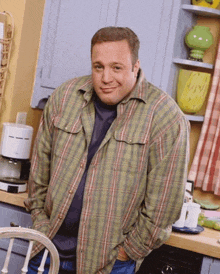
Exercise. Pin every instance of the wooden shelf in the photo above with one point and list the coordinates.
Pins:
(195, 118)
(202, 11)
(187, 62)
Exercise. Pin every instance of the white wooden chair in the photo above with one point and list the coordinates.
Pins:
(31, 235)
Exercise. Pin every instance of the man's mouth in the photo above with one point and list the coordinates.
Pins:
(108, 90)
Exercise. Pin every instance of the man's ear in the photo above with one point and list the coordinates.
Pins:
(136, 68)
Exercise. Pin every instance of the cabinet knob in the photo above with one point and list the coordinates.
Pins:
(167, 269)
(12, 224)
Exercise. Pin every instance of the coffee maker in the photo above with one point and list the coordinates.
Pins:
(14, 157)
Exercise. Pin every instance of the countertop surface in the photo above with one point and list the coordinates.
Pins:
(13, 199)
(205, 242)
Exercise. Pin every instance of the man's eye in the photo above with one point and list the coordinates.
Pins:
(117, 68)
(98, 67)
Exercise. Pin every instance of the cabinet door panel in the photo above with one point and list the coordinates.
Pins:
(152, 21)
(67, 51)
(16, 215)
(65, 44)
(145, 20)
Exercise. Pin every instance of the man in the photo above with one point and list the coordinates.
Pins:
(109, 163)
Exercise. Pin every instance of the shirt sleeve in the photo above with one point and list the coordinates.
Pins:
(40, 170)
(165, 187)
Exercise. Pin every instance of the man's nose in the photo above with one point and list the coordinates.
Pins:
(106, 76)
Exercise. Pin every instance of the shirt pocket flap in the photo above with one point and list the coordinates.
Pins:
(67, 125)
(130, 137)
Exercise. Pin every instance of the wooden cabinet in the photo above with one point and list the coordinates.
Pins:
(68, 27)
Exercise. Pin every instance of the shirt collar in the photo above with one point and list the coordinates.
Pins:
(87, 90)
(139, 92)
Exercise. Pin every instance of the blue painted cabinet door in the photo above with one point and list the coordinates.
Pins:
(68, 27)
(155, 24)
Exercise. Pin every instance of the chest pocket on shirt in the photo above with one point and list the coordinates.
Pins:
(131, 151)
(66, 136)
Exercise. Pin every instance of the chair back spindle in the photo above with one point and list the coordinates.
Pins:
(31, 235)
(24, 270)
(8, 255)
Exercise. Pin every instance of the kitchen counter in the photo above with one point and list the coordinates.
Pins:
(204, 243)
(13, 199)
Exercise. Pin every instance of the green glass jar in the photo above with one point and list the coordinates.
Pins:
(199, 39)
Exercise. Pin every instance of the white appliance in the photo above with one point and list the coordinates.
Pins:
(14, 160)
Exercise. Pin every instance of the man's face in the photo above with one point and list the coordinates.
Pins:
(112, 73)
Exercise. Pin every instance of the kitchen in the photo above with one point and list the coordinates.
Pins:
(28, 17)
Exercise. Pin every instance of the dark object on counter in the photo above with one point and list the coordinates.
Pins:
(167, 259)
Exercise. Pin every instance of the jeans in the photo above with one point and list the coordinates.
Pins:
(124, 267)
(120, 267)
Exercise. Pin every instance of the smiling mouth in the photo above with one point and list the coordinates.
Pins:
(108, 90)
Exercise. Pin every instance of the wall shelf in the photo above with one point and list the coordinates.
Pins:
(195, 118)
(192, 11)
(202, 11)
(192, 63)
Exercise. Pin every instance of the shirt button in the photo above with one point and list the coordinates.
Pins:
(81, 165)
(60, 217)
(70, 191)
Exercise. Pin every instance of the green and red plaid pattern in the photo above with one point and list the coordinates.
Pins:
(136, 180)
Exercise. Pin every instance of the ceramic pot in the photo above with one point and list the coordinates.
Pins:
(199, 39)
(206, 3)
(192, 89)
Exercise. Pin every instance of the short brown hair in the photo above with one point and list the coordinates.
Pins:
(111, 34)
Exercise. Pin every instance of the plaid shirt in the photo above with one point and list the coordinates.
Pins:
(135, 184)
